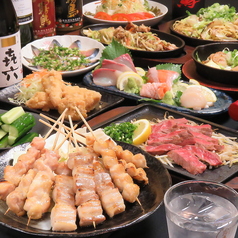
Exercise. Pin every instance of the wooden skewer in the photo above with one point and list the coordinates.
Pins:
(58, 132)
(85, 122)
(52, 128)
(7, 211)
(62, 142)
(62, 132)
(73, 133)
(64, 126)
(29, 220)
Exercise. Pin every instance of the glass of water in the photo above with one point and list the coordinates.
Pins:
(201, 209)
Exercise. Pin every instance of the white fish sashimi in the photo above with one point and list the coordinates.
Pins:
(126, 60)
(111, 64)
(106, 77)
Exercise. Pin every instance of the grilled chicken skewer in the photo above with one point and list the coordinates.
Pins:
(89, 206)
(120, 177)
(111, 198)
(16, 199)
(38, 197)
(13, 174)
(63, 215)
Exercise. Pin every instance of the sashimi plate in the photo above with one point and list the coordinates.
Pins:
(221, 105)
(108, 101)
(152, 112)
(39, 127)
(151, 197)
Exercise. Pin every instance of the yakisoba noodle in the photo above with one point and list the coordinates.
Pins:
(217, 30)
(133, 37)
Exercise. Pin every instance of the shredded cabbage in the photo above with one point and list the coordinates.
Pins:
(28, 87)
(122, 6)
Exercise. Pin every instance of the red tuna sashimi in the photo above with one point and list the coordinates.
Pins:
(126, 60)
(187, 160)
(154, 90)
(111, 64)
(106, 77)
(162, 76)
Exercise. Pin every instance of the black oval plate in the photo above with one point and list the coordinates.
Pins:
(151, 197)
(192, 41)
(148, 54)
(221, 105)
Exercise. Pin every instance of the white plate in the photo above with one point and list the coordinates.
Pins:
(91, 7)
(66, 40)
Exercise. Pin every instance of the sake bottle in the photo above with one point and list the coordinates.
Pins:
(23, 10)
(10, 45)
(68, 14)
(43, 18)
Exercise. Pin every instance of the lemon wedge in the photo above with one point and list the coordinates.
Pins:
(193, 82)
(140, 71)
(207, 93)
(180, 86)
(142, 132)
(123, 79)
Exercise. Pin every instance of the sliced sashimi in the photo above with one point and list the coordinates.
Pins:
(106, 77)
(161, 76)
(126, 60)
(154, 90)
(112, 64)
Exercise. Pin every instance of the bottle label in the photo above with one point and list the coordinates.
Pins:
(24, 11)
(68, 14)
(44, 18)
(10, 60)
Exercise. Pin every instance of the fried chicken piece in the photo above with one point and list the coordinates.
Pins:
(53, 86)
(40, 100)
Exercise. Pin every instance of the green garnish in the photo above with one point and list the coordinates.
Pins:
(60, 58)
(113, 50)
(121, 131)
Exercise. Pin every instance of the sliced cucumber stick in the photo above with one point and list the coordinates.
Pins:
(4, 142)
(5, 127)
(13, 114)
(22, 125)
(27, 138)
(2, 133)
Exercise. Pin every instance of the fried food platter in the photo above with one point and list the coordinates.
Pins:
(151, 112)
(107, 101)
(150, 197)
(220, 106)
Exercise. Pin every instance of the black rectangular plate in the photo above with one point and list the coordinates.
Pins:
(150, 111)
(108, 101)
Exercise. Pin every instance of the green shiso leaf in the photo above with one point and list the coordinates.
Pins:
(114, 50)
(170, 66)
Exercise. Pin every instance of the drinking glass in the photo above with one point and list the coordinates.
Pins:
(201, 209)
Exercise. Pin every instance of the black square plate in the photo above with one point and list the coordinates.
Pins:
(150, 111)
(108, 101)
